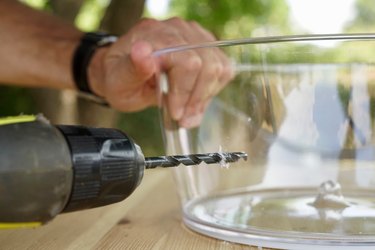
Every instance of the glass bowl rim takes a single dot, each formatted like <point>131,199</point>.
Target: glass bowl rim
<point>269,39</point>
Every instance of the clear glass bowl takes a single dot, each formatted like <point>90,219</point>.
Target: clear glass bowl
<point>303,109</point>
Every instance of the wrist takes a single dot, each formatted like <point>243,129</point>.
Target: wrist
<point>96,71</point>
<point>88,62</point>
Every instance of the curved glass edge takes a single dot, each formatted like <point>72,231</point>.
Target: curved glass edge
<point>258,238</point>
<point>269,39</point>
<point>289,241</point>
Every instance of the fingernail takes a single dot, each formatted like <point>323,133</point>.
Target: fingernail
<point>191,121</point>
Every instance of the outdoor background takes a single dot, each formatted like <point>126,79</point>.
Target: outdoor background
<point>226,19</point>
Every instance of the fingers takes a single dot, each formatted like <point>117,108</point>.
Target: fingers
<point>205,87</point>
<point>215,73</point>
<point>201,74</point>
<point>195,76</point>
<point>182,79</point>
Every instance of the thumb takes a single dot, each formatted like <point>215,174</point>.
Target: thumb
<point>135,70</point>
<point>142,63</point>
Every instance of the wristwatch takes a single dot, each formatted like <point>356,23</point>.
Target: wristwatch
<point>89,43</point>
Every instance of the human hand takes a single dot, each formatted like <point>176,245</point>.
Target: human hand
<point>125,73</point>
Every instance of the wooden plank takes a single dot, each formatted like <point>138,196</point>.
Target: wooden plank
<point>79,230</point>
<point>149,219</point>
<point>156,225</point>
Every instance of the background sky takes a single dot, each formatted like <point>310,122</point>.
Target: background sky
<point>321,16</point>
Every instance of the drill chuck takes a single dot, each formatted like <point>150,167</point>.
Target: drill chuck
<point>107,166</point>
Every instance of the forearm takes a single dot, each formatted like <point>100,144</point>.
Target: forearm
<point>36,49</point>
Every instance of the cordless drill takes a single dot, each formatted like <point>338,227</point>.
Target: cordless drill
<point>47,170</point>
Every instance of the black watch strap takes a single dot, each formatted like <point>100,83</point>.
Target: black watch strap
<point>83,54</point>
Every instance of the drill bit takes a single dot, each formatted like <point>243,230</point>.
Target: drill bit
<point>193,159</point>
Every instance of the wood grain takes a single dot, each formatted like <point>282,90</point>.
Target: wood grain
<point>148,219</point>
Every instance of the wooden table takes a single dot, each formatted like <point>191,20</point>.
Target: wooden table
<point>149,219</point>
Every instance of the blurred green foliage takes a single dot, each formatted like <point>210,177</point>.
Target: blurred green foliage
<point>91,14</point>
<point>144,128</point>
<point>234,19</point>
<point>15,101</point>
<point>364,20</point>
<point>38,4</point>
